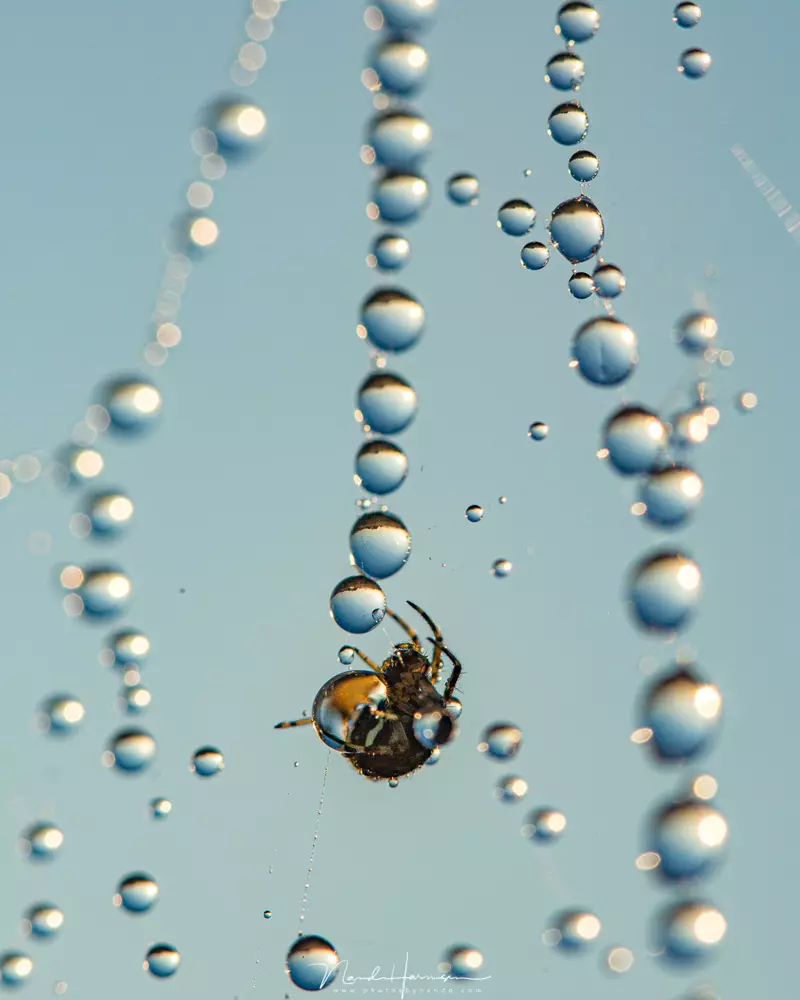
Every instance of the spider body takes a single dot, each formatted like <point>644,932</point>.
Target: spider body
<point>388,721</point>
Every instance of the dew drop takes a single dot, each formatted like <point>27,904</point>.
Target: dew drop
<point>206,762</point>
<point>463,189</point>
<point>61,714</point>
<point>665,589</point>
<point>387,402</point>
<point>160,808</point>
<point>569,123</point>
<point>393,319</point>
<point>109,514</point>
<point>402,65</point>
<point>42,841</point>
<point>434,729</point>
<point>462,961</point>
<point>605,349</point>
<point>267,914</point>
<point>393,782</point>
<point>501,741</point>
<point>516,217</point>
<point>43,920</point>
<point>687,15</point>
<point>162,960</point>
<point>105,592</point>
<point>609,281</point>
<point>577,929</point>
<point>380,544</point>
<point>474,513</point>
<point>128,646</point>
<point>671,496</point>
<point>501,567</point>
<point>81,464</point>
<point>399,139</point>
<point>137,893</point>
<point>238,128</point>
<point>346,655</point>
<point>312,963</point>
<point>538,431</point>
<point>690,838</point>
<point>415,15</point>
<point>565,71</point>
<point>694,63</point>
<point>635,440</point>
<point>583,166</point>
<point>545,825</point>
<point>683,711</point>
<point>400,197</point>
<point>353,602</point>
<point>135,699</point>
<point>581,285</point>
<point>576,229</point>
<point>391,251</point>
<point>133,405</point>
<point>132,750</point>
<point>381,466</point>
<point>697,332</point>
<point>15,968</point>
<point>577,22</point>
<point>511,789</point>
<point>535,256</point>
<point>688,932</point>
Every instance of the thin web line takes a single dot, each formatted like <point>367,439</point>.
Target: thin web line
<point>304,902</point>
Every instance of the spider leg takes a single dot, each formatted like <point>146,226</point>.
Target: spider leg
<point>358,748</point>
<point>294,722</point>
<point>366,659</point>
<point>452,680</point>
<point>436,662</point>
<point>406,628</point>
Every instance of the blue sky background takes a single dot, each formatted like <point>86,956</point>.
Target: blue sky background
<point>244,496</point>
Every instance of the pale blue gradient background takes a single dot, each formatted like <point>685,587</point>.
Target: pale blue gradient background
<point>244,496</point>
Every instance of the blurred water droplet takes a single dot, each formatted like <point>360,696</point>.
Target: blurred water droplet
<point>137,893</point>
<point>538,431</point>
<point>391,252</point>
<point>105,592</point>
<point>462,961</point>
<point>694,63</point>
<point>565,71</point>
<point>135,699</point>
<point>687,15</point>
<point>501,741</point>
<point>402,65</point>
<point>353,602</point>
<point>569,123</point>
<point>132,405</point>
<point>400,197</point>
<point>160,808</point>
<point>312,963</point>
<point>511,789</point>
<point>501,567</point>
<point>671,496</point>
<point>206,762</point>
<point>665,589</point>
<point>635,440</point>
<point>747,401</point>
<point>463,189</point>
<point>61,714</point>
<point>128,646</point>
<point>400,139</point>
<point>43,920</point>
<point>619,960</point>
<point>415,15</point>
<point>109,514</point>
<point>545,825</point>
<point>267,914</point>
<point>688,429</point>
<point>690,838</point>
<point>577,930</point>
<point>697,332</point>
<point>688,932</point>
<point>162,960</point>
<point>132,750</point>
<point>42,841</point>
<point>239,128</point>
<point>15,968</point>
<point>609,281</point>
<point>684,712</point>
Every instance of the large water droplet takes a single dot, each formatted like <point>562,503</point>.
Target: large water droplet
<point>381,466</point>
<point>569,123</point>
<point>105,592</point>
<point>688,932</point>
<point>576,229</point>
<point>61,714</point>
<point>463,189</point>
<point>15,968</point>
<point>577,22</point>
<point>665,589</point>
<point>535,256</point>
<point>462,961</point>
<point>697,332</point>
<point>400,197</point>
<point>401,65</point>
<point>399,138</point>
<point>683,711</point>
<point>393,319</point>
<point>605,349</point>
<point>516,217</point>
<point>635,439</point>
<point>109,513</point>
<point>391,251</point>
<point>353,602</point>
<point>690,838</point>
<point>609,281</point>
<point>43,920</point>
<point>411,14</point>
<point>42,841</point>
<point>312,963</point>
<point>133,405</point>
<point>380,544</point>
<point>132,750</point>
<point>694,63</point>
<point>672,496</point>
<point>565,71</point>
<point>207,761</point>
<point>162,960</point>
<point>501,741</point>
<point>387,403</point>
<point>434,729</point>
<point>239,127</point>
<point>137,893</point>
<point>584,166</point>
<point>687,15</point>
<point>581,285</point>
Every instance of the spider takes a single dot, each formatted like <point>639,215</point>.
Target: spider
<point>389,720</point>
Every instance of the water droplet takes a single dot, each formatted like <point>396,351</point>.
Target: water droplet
<point>207,761</point>
<point>501,741</point>
<point>689,931</point>
<point>312,963</point>
<point>346,655</point>
<point>104,591</point>
<point>584,166</point>
<point>501,567</point>
<point>381,466</point>
<point>687,15</point>
<point>463,189</point>
<point>538,431</point>
<point>400,197</point>
<point>393,319</point>
<point>61,714</point>
<point>576,229</point>
<point>353,602</point>
<point>747,401</point>
<point>380,544</point>
<point>135,699</point>
<point>577,22</point>
<point>502,499</point>
<point>162,960</point>
<point>565,71</point>
<point>43,920</point>
<point>688,428</point>
<point>516,217</point>
<point>109,514</point>
<point>619,960</point>
<point>81,464</point>
<point>133,405</point>
<point>697,332</point>
<point>137,893</point>
<point>462,961</point>
<point>694,63</point>
<point>605,349</point>
<point>671,496</point>
<point>238,128</point>
<point>393,782</point>
<point>414,15</point>
<point>535,256</point>
<point>689,837</point>
<point>568,123</point>
<point>160,808</point>
<point>42,841</point>
<point>400,139</point>
<point>577,929</point>
<point>391,251</point>
<point>581,285</point>
<point>474,513</point>
<point>454,708</point>
<point>511,789</point>
<point>545,825</point>
<point>15,968</point>
<point>684,713</point>
<point>129,646</point>
<point>635,440</point>
<point>609,281</point>
<point>132,750</point>
<point>665,589</point>
<point>436,754</point>
<point>387,402</point>
<point>401,65</point>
